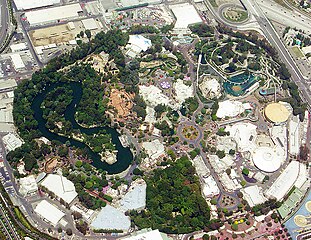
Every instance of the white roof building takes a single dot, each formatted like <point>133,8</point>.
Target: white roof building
<point>230,108</point>
<point>135,198</point>
<point>146,234</point>
<point>48,15</point>
<point>185,14</point>
<point>11,142</point>
<point>89,24</point>
<point>111,218</point>
<point>18,47</point>
<point>49,212</point>
<point>17,61</point>
<point>244,134</point>
<point>153,96</point>
<point>253,195</point>
<point>30,4</point>
<point>210,187</point>
<point>28,185</point>
<point>182,91</point>
<point>8,84</point>
<point>268,159</point>
<point>287,180</point>
<point>210,88</point>
<point>154,149</point>
<point>61,187</point>
<point>137,44</point>
<point>294,138</point>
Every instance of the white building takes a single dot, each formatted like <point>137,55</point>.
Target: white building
<point>110,218</point>
<point>185,15</point>
<point>17,61</point>
<point>182,91</point>
<point>50,15</point>
<point>210,187</point>
<point>135,198</point>
<point>49,212</point>
<point>153,96</point>
<point>30,4</point>
<point>294,174</point>
<point>137,44</point>
<point>147,234</point>
<point>154,149</point>
<point>244,134</point>
<point>230,108</point>
<point>18,47</point>
<point>294,136</point>
<point>268,159</point>
<point>28,185</point>
<point>61,187</point>
<point>210,87</point>
<point>253,195</point>
<point>89,24</point>
<point>11,142</point>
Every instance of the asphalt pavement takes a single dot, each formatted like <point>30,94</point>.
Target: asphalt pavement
<point>5,21</point>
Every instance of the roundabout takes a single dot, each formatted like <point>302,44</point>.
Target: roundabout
<point>233,13</point>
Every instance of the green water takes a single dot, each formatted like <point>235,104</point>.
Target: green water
<point>244,81</point>
<point>124,155</point>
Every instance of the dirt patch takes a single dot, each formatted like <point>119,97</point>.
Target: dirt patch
<point>56,34</point>
<point>51,164</point>
<point>122,102</point>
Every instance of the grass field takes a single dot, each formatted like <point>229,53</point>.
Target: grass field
<point>235,15</point>
<point>296,50</point>
<point>22,219</point>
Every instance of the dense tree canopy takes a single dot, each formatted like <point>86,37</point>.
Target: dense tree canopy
<point>174,201</point>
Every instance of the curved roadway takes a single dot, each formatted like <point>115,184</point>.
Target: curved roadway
<point>5,22</point>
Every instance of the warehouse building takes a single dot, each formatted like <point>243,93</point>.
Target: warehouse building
<point>185,15</point>
<point>49,212</point>
<point>53,15</point>
<point>17,61</point>
<point>31,4</point>
<point>61,187</point>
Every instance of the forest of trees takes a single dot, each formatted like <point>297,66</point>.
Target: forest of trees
<point>90,110</point>
<point>174,201</point>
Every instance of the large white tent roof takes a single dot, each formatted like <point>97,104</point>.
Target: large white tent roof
<point>135,198</point>
<point>140,41</point>
<point>30,4</point>
<point>49,212</point>
<point>60,186</point>
<point>111,218</point>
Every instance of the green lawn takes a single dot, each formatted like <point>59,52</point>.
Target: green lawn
<point>297,52</point>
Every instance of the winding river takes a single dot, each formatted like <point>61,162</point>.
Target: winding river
<point>124,155</point>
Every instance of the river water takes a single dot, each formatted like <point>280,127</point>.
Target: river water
<point>124,155</point>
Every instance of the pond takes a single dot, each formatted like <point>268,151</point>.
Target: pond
<point>124,155</point>
<point>239,84</point>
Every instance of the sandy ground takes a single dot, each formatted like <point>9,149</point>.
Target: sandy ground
<point>56,34</point>
<point>122,101</point>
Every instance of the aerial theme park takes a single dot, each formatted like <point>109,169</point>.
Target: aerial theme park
<point>155,120</point>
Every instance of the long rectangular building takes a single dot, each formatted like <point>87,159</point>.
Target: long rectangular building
<point>31,4</point>
<point>55,14</point>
